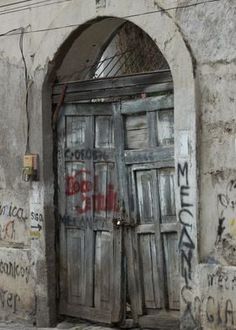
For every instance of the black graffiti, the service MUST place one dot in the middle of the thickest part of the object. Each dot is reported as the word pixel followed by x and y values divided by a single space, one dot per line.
pixel 229 199
pixel 36 217
pixel 197 309
pixel 182 213
pixel 220 229
pixel 186 261
pixel 229 313
pixel 225 201
pixel 101 3
pixel 12 211
pixel 14 270
pixel 85 154
pixel 182 173
pixel 209 307
pixel 219 313
pixel 188 316
pixel 9 299
pixel 221 281
pixel 184 192
pixel 186 244
pixel 38 227
pixel 185 239
pixel 85 222
pixel 197 306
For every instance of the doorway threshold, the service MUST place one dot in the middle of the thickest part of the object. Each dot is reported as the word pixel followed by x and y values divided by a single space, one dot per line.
pixel 82 325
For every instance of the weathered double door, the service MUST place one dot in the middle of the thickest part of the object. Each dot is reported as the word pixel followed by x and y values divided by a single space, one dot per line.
pixel 116 200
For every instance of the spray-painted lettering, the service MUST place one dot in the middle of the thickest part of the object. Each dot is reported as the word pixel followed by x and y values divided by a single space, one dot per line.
pixel 85 154
pixel 186 244
pixel 7 231
pixel 226 204
pixel 215 312
pixel 12 211
pixel 9 300
pixel 86 188
pixel 15 270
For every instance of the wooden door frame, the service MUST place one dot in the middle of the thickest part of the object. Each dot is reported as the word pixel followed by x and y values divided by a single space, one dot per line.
pixel 113 88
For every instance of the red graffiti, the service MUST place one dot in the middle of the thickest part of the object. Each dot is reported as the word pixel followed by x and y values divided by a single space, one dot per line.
pixel 81 185
pixel 76 183
pixel 7 231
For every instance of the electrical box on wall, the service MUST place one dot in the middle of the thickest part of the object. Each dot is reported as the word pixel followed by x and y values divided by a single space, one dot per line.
pixel 30 167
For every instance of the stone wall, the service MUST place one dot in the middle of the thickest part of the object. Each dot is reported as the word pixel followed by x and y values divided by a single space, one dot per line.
pixel 199 44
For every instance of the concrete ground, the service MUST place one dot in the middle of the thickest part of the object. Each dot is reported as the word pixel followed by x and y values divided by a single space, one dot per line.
pixel 61 326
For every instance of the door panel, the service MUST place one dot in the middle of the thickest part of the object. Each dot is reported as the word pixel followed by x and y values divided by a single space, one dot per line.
pixel 103 267
pixel 150 276
pixel 76 266
pixel 167 195
pixel 170 241
pixel 148 180
pixel 106 196
pixel 75 131
pixel 104 136
pixel 90 245
pixel 165 127
pixel 136 131
pixel 145 194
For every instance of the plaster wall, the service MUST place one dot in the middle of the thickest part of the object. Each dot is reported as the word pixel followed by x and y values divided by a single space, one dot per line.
pixel 199 44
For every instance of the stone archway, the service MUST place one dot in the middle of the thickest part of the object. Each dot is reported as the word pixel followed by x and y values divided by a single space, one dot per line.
pixel 171 43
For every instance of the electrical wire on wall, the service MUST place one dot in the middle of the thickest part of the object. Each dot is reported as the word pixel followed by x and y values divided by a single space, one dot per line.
pixel 29 4
pixel 38 4
pixel 44 3
pixel 28 171
pixel 28 83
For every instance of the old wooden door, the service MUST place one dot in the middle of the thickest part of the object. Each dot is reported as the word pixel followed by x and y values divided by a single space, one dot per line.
pixel 103 149
pixel 90 245
pixel 144 131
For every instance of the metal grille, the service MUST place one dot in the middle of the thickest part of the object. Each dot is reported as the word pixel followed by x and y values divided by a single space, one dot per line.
pixel 129 62
pixel 131 51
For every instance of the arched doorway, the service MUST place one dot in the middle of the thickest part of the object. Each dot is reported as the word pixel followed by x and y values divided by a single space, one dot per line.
pixel 116 200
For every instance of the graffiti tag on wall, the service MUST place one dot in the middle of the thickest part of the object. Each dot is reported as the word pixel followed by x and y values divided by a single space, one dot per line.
pixel 36 224
pixel 14 270
pixel 12 211
pixel 11 217
pixel 9 300
pixel 186 244
pixel 215 306
pixel 16 281
pixel 227 211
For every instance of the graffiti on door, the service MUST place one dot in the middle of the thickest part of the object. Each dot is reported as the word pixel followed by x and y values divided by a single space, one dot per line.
pixel 86 188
